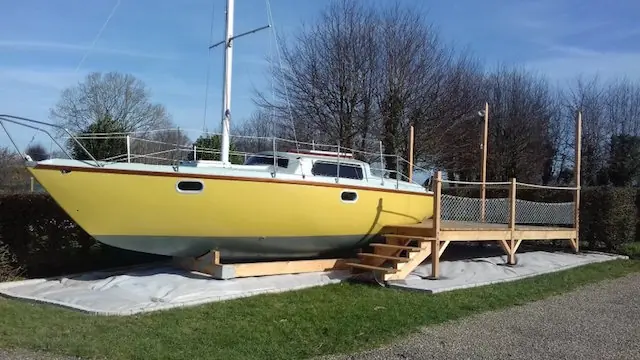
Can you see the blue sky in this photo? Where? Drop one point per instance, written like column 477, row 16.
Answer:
column 164, row 43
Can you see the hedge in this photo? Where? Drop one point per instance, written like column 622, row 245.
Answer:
column 37, row 238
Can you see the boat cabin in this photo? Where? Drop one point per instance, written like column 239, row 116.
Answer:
column 295, row 163
column 311, row 162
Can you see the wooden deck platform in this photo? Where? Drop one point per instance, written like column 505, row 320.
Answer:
column 407, row 246
column 478, row 231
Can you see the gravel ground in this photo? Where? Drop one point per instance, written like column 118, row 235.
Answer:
column 600, row 321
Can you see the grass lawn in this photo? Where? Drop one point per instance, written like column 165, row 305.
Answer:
column 330, row 319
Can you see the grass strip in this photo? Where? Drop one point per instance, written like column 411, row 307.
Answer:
column 319, row 321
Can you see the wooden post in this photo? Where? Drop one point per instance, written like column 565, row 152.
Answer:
column 411, row 154
column 436, row 204
column 435, row 243
column 577, row 170
column 512, row 222
column 128, row 148
column 483, row 197
column 435, row 259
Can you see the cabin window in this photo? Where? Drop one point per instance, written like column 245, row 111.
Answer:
column 349, row 196
column 190, row 186
column 263, row 159
column 348, row 171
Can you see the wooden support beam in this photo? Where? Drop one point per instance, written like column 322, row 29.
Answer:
column 411, row 153
column 511, row 258
column 577, row 170
column 443, row 247
column 210, row 264
column 435, row 259
column 437, row 200
column 485, row 136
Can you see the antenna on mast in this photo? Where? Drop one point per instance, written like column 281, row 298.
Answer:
column 226, row 84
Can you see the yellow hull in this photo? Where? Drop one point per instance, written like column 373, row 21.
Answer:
column 145, row 212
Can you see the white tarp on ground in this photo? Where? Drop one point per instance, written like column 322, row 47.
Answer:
column 149, row 289
column 132, row 291
column 474, row 272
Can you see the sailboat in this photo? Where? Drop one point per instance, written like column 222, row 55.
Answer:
column 276, row 205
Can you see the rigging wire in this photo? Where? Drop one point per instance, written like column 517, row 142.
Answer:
column 206, row 90
column 87, row 52
column 286, row 89
column 97, row 37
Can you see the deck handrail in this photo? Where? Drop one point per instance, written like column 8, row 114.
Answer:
column 18, row 121
column 529, row 213
column 64, row 134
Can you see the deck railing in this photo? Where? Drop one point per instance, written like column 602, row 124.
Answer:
column 511, row 203
column 149, row 148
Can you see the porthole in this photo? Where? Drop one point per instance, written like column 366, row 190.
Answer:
column 349, row 196
column 190, row 186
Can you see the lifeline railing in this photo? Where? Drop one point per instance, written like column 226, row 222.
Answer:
column 508, row 205
column 157, row 150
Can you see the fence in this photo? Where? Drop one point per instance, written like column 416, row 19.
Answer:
column 511, row 203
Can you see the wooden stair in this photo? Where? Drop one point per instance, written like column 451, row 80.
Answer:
column 398, row 252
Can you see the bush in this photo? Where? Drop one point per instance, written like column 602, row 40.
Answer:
column 39, row 236
column 608, row 216
column 632, row 250
column 9, row 267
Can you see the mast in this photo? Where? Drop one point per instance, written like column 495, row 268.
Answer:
column 226, row 85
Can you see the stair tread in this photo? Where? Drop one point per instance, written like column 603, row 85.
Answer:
column 370, row 267
column 401, row 247
column 418, row 238
column 379, row 256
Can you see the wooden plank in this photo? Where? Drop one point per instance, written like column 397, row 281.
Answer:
column 443, row 247
column 416, row 258
column 398, row 247
column 207, row 265
column 386, row 251
column 477, row 235
column 289, row 267
column 385, row 257
column 408, row 237
column 545, row 234
column 435, row 260
column 373, row 268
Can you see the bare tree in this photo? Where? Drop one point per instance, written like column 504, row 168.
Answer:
column 13, row 175
column 361, row 75
column 520, row 136
column 121, row 96
column 588, row 95
column 325, row 84
column 161, row 147
column 255, row 134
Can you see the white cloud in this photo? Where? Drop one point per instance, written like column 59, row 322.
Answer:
column 19, row 45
